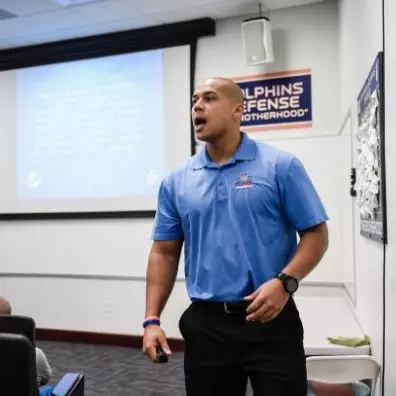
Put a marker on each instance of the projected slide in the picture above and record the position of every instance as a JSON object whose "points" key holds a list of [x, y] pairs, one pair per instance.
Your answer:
{"points": [[92, 128], [93, 135]]}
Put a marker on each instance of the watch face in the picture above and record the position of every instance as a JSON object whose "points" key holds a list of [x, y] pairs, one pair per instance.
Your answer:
{"points": [[291, 285]]}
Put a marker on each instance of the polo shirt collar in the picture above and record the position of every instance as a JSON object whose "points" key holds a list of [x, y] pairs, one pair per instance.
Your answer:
{"points": [[245, 152]]}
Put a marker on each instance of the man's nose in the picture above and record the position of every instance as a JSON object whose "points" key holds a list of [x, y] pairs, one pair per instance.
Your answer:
{"points": [[198, 105]]}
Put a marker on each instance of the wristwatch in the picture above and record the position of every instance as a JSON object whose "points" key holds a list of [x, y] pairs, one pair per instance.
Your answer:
{"points": [[290, 283]]}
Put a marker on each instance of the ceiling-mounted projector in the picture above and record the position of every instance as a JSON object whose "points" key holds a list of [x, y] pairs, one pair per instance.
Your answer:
{"points": [[257, 41]]}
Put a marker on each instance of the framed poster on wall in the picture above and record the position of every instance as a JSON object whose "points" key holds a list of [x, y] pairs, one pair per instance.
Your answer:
{"points": [[370, 168]]}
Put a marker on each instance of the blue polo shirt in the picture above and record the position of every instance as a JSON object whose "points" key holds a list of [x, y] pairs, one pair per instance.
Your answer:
{"points": [[239, 220]]}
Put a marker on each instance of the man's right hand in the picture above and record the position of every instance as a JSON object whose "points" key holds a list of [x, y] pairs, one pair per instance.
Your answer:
{"points": [[154, 336]]}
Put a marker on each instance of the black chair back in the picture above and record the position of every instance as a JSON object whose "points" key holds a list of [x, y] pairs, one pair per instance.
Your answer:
{"points": [[14, 324], [18, 361], [18, 366]]}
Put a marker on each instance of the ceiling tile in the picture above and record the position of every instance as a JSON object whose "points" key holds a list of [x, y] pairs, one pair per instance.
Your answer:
{"points": [[12, 43], [166, 6], [65, 34], [215, 9], [45, 20], [229, 9], [135, 23], [184, 14], [110, 10], [120, 9], [40, 23], [26, 7], [278, 4]]}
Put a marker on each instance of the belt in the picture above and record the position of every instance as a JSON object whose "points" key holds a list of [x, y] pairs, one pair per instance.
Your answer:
{"points": [[235, 307], [227, 307]]}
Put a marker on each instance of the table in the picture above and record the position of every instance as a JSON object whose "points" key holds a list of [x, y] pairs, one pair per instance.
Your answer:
{"points": [[326, 311]]}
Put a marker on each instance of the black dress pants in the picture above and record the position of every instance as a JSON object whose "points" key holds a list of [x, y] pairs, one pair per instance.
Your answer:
{"points": [[223, 351]]}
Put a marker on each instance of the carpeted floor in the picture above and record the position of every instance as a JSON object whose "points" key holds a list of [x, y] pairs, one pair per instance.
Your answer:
{"points": [[116, 371]]}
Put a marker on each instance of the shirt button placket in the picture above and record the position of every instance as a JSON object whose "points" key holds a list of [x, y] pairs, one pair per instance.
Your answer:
{"points": [[221, 187]]}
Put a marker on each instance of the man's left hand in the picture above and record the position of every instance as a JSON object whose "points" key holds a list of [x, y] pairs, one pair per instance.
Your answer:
{"points": [[267, 301]]}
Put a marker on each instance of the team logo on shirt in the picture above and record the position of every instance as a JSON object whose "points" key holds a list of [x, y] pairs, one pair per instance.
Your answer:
{"points": [[243, 181]]}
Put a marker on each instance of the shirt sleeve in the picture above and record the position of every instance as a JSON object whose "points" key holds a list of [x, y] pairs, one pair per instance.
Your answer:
{"points": [[300, 200], [167, 223], [43, 368]]}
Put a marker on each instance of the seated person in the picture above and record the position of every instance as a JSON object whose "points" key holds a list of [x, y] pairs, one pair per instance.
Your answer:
{"points": [[43, 369]]}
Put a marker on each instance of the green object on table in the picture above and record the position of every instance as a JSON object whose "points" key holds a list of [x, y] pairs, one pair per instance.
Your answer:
{"points": [[350, 341]]}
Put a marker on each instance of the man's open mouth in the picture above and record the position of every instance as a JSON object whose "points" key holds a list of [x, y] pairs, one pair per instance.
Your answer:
{"points": [[199, 122]]}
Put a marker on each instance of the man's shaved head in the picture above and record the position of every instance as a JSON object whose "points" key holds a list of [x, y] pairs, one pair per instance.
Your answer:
{"points": [[217, 109], [5, 306], [229, 87]]}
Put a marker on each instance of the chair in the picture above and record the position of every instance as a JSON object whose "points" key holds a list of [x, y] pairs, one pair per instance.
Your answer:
{"points": [[343, 369], [18, 361], [15, 324], [18, 366]]}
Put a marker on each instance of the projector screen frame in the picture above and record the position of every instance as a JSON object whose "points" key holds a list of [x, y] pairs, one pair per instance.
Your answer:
{"points": [[150, 38]]}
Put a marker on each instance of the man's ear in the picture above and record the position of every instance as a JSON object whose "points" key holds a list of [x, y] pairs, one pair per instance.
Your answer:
{"points": [[238, 110]]}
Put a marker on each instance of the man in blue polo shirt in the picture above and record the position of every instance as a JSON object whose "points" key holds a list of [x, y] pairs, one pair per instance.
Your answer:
{"points": [[238, 206]]}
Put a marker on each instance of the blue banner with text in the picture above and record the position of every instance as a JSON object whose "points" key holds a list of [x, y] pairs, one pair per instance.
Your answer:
{"points": [[282, 102]]}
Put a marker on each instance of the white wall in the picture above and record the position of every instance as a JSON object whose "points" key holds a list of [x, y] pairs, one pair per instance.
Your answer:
{"points": [[100, 305], [306, 37], [360, 41], [390, 143]]}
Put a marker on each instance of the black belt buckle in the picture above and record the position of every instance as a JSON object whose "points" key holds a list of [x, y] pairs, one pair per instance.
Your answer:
{"points": [[234, 308]]}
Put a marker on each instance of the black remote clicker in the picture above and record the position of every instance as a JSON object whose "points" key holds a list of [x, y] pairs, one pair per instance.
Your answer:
{"points": [[162, 357]]}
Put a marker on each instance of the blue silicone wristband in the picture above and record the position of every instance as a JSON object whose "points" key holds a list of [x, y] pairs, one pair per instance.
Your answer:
{"points": [[151, 321]]}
